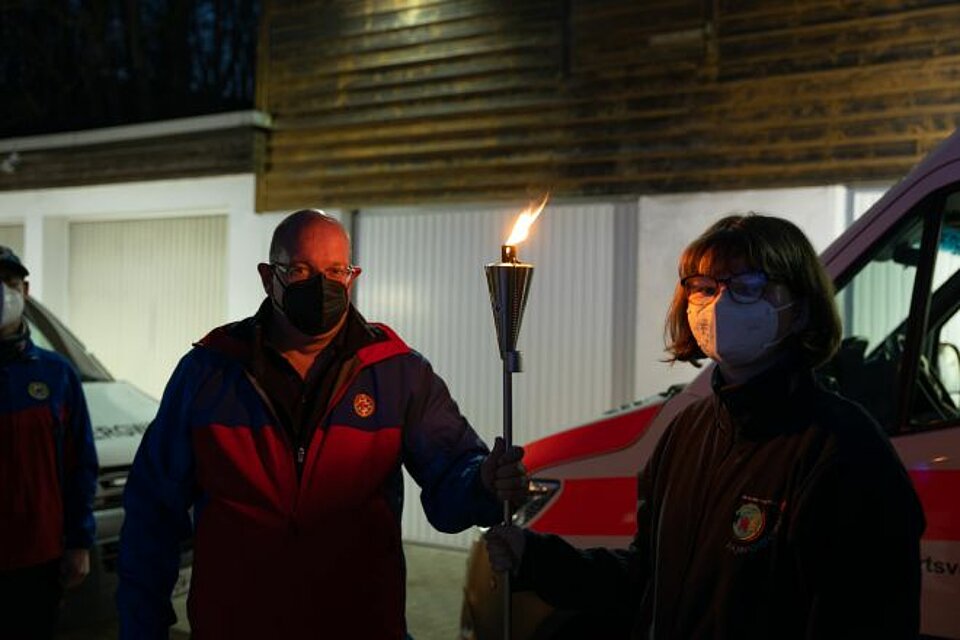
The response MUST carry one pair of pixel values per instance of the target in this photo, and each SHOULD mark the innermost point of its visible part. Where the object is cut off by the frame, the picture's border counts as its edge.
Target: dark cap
(9, 259)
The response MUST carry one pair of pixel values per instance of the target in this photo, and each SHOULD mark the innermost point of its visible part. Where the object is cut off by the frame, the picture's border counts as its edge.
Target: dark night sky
(77, 65)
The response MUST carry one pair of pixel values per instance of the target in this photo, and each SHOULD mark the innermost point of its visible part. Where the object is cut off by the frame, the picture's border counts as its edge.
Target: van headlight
(541, 492)
(110, 487)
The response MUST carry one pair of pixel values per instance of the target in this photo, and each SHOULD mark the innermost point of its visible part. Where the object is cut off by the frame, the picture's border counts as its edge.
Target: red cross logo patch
(363, 405)
(749, 522)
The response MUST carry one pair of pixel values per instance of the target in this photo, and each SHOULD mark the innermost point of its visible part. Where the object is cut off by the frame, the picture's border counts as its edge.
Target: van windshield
(47, 332)
(877, 308)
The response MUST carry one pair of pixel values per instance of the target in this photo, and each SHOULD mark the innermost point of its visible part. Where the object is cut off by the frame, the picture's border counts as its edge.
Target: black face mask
(315, 305)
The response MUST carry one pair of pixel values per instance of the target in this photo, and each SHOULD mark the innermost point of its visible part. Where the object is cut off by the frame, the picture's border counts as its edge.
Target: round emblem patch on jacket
(748, 522)
(38, 390)
(363, 405)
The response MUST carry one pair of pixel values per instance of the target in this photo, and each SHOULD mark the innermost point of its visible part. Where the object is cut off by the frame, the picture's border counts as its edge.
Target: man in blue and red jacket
(48, 470)
(285, 434)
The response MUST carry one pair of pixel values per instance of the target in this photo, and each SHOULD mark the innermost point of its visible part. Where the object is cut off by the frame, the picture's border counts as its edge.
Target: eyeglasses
(299, 272)
(744, 288)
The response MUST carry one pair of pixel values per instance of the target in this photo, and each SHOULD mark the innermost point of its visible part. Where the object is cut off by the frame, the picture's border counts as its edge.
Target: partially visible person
(285, 434)
(773, 508)
(48, 471)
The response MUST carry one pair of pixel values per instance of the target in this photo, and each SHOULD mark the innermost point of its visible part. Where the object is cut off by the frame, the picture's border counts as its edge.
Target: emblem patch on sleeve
(38, 390)
(363, 405)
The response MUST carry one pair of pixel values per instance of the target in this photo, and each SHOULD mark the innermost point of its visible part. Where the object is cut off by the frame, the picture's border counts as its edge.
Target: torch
(509, 283)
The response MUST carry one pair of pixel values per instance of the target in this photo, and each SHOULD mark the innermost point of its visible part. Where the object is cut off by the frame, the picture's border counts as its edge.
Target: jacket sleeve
(609, 582)
(857, 535)
(156, 502)
(80, 468)
(597, 580)
(443, 453)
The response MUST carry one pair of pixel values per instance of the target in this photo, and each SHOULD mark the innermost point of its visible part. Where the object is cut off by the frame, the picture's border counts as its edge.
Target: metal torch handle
(511, 364)
(508, 441)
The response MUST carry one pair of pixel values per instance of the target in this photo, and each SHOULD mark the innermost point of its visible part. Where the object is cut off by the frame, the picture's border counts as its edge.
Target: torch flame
(521, 228)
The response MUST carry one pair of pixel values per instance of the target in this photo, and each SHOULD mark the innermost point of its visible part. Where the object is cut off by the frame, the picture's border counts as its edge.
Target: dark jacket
(277, 556)
(774, 509)
(48, 464)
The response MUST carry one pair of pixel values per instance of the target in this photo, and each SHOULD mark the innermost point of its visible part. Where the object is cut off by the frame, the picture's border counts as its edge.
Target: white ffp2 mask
(11, 305)
(732, 333)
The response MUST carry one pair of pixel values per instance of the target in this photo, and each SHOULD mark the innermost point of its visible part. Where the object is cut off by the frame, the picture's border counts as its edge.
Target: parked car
(897, 275)
(120, 414)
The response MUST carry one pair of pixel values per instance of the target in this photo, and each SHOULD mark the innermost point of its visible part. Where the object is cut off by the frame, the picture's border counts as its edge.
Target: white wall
(141, 291)
(669, 222)
(46, 215)
(423, 275)
(11, 235)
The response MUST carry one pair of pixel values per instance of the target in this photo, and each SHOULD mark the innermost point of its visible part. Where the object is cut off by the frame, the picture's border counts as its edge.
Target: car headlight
(110, 487)
(541, 492)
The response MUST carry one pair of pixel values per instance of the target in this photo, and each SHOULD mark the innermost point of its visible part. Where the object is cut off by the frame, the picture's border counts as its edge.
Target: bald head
(300, 224)
(308, 280)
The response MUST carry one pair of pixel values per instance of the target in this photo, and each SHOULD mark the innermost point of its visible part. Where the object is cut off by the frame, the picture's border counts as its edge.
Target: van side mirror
(948, 369)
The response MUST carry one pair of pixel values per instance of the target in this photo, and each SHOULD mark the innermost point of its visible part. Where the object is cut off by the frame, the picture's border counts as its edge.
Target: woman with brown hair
(773, 508)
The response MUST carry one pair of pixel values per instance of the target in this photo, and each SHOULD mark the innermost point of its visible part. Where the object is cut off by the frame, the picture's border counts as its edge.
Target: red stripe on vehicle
(590, 440)
(938, 490)
(592, 507)
(607, 506)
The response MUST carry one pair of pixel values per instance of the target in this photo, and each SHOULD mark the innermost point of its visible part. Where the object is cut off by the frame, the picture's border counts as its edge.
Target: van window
(47, 332)
(877, 300)
(876, 304)
(941, 348)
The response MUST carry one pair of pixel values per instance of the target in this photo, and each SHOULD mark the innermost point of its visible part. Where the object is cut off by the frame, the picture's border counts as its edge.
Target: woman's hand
(505, 547)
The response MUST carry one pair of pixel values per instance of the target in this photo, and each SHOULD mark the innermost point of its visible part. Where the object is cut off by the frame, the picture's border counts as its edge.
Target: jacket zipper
(709, 487)
(299, 449)
(299, 445)
(283, 432)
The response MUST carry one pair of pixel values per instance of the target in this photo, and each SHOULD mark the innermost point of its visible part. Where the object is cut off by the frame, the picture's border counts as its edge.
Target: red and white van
(897, 275)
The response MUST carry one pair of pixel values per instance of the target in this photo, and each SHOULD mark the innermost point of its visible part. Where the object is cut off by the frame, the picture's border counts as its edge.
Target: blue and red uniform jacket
(276, 556)
(48, 463)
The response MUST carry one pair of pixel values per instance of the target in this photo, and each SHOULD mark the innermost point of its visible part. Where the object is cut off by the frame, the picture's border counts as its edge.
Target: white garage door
(11, 235)
(423, 275)
(142, 291)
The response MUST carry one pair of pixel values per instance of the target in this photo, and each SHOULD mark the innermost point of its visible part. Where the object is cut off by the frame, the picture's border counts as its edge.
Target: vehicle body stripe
(594, 439)
(607, 506)
(592, 506)
(938, 490)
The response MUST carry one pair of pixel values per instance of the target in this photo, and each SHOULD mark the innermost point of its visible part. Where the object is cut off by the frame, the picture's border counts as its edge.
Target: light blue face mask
(735, 334)
(11, 306)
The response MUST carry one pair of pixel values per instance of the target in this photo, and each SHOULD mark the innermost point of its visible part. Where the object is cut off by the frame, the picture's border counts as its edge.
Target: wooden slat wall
(416, 101)
(218, 152)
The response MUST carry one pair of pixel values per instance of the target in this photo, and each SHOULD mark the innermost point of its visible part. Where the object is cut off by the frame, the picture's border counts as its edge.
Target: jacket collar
(16, 347)
(370, 342)
(773, 402)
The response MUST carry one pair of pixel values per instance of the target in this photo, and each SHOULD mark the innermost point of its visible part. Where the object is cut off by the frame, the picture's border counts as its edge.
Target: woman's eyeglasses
(744, 288)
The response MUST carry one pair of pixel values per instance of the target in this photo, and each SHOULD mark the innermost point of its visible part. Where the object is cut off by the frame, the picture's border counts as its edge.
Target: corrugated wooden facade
(417, 101)
(203, 153)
